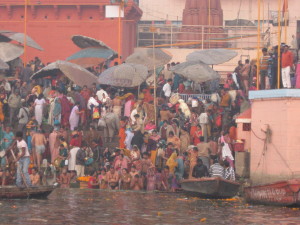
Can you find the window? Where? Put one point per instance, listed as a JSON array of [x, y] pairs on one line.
[[246, 126]]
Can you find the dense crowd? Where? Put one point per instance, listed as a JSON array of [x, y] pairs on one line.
[[65, 133]]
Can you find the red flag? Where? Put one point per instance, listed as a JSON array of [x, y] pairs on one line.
[[285, 7]]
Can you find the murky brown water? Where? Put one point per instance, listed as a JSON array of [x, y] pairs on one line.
[[75, 206]]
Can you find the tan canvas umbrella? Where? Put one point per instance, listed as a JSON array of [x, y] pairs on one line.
[[124, 75], [146, 57], [212, 56], [74, 72], [3, 65], [9, 51], [19, 37], [195, 71], [88, 42]]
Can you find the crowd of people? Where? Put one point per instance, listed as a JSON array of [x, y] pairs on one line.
[[114, 137]]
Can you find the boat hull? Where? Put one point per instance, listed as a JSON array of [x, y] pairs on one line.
[[13, 192], [211, 187], [282, 193]]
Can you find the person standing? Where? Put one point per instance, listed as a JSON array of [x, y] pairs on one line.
[[264, 64], [167, 89], [23, 117], [74, 116], [38, 143], [14, 102], [23, 159], [39, 108], [287, 60], [80, 160]]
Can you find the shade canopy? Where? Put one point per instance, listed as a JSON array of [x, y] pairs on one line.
[[92, 56], [146, 57], [9, 51], [195, 71], [124, 75], [88, 42], [3, 65], [74, 72], [212, 56], [8, 36]]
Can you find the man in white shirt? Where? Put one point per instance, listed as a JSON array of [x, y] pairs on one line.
[[23, 160], [203, 120], [167, 88], [92, 102]]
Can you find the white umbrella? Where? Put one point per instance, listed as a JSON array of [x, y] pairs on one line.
[[124, 75], [74, 72], [145, 57], [195, 71], [212, 56], [9, 51]]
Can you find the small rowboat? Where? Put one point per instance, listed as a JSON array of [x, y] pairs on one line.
[[14, 192], [211, 187], [282, 193]]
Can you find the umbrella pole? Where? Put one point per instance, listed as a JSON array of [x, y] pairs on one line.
[[279, 43], [25, 31], [258, 45], [154, 67]]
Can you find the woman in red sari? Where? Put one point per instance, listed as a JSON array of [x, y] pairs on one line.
[[197, 135], [122, 135]]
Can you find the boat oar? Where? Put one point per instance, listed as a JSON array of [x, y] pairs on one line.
[[22, 174]]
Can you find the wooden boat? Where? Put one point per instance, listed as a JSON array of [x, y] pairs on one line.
[[282, 193], [14, 192], [211, 187]]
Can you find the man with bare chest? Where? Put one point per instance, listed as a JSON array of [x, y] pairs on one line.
[[117, 105], [113, 178], [38, 143]]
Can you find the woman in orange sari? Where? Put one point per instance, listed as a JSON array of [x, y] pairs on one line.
[[122, 135], [193, 153], [194, 123]]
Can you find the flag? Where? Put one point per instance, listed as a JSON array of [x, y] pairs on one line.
[[285, 7]]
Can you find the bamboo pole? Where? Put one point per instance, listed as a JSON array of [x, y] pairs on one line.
[[258, 45], [25, 32], [279, 43], [285, 20], [119, 33], [155, 83], [209, 13]]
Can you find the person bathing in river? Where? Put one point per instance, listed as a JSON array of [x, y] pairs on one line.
[[113, 179], [35, 177], [64, 179], [136, 183]]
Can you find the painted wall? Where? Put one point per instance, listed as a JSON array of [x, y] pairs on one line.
[[281, 160], [246, 135], [53, 26]]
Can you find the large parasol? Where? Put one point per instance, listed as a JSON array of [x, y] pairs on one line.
[[7, 36], [9, 51], [124, 75], [195, 71], [146, 57], [3, 65], [74, 72], [88, 42], [91, 56], [212, 56]]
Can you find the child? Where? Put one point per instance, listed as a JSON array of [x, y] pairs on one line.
[[64, 179]]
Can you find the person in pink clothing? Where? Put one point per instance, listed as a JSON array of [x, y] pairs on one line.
[[128, 105]]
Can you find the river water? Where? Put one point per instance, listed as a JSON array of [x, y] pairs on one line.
[[76, 206]]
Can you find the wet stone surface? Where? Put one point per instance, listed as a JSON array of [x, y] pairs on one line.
[[75, 206]]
